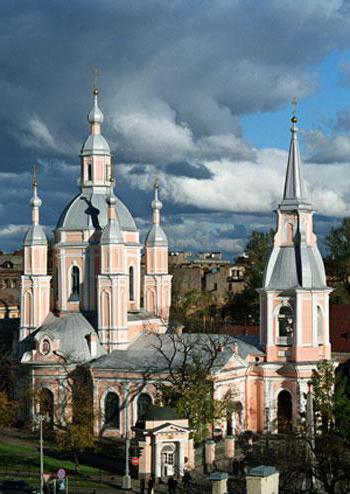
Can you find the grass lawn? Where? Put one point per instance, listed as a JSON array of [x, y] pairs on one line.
[[20, 458]]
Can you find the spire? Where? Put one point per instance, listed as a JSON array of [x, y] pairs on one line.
[[35, 234], [112, 233], [156, 236], [156, 204], [35, 201], [294, 194], [95, 144]]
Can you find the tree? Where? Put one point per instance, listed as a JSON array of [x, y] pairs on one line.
[[338, 261], [8, 409], [188, 378], [8, 374], [330, 443], [73, 425], [244, 307], [196, 310]]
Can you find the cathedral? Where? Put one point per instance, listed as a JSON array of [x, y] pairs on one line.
[[101, 311]]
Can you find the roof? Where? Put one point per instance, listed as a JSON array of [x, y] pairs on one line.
[[89, 210], [72, 331], [297, 266], [161, 413], [144, 355], [339, 327], [262, 471], [156, 237], [294, 194], [95, 144], [35, 236]]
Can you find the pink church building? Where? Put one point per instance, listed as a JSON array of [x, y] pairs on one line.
[[97, 310]]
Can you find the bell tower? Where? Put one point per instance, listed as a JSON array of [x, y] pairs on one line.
[[35, 285], [294, 323], [112, 285], [157, 281]]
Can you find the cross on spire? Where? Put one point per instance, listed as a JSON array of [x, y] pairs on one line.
[[294, 106], [35, 182], [96, 73]]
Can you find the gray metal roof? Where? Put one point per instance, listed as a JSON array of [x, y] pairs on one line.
[[89, 210], [35, 236], [298, 266], [72, 332], [294, 194], [144, 355], [95, 144], [156, 237]]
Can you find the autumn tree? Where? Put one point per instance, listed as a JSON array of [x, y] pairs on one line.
[[8, 373], [73, 425], [188, 378]]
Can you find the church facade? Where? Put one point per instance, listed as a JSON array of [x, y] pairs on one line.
[[99, 311]]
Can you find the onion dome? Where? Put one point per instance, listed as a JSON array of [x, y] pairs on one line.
[[95, 144], [35, 235], [156, 236], [112, 232], [95, 115]]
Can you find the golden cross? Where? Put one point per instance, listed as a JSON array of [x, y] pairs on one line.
[[35, 183], [96, 73], [294, 105]]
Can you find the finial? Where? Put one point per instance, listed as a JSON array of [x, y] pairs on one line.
[[35, 182], [294, 110], [96, 73]]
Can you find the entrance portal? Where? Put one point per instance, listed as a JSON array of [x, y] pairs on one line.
[[285, 412], [168, 460]]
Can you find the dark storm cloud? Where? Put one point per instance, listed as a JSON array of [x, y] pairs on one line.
[[176, 78], [184, 169]]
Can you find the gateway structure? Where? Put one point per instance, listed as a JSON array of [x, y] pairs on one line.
[[100, 312]]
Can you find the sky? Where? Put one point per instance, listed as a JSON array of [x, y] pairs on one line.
[[195, 92]]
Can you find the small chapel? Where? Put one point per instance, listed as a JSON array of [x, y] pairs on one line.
[[99, 309]]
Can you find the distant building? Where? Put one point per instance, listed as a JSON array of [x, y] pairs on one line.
[[206, 272], [11, 269]]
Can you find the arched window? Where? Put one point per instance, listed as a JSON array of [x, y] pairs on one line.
[[75, 282], [286, 323], [131, 283], [89, 172], [285, 412], [112, 411], [46, 405], [144, 402], [319, 325]]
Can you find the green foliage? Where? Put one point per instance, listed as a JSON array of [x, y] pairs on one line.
[[257, 253], [188, 385], [244, 307], [330, 445], [338, 262], [196, 311], [76, 434]]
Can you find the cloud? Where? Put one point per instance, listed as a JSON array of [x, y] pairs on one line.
[[176, 79], [323, 148]]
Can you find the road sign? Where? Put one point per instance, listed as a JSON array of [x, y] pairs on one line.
[[134, 461], [61, 474]]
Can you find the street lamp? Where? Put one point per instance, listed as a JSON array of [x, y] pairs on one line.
[[126, 483], [39, 420]]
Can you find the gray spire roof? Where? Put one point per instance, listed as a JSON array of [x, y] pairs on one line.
[[156, 236], [35, 235], [112, 232], [294, 194]]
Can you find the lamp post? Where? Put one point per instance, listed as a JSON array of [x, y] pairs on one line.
[[39, 419], [126, 483]]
